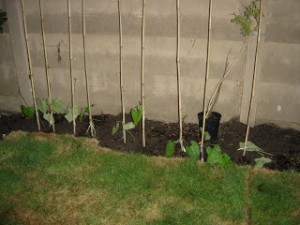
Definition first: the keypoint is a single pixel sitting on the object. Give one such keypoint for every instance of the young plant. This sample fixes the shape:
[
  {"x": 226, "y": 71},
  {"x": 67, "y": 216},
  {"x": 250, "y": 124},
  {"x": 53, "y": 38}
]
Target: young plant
[
  {"x": 193, "y": 150},
  {"x": 72, "y": 113},
  {"x": 136, "y": 115},
  {"x": 28, "y": 111},
  {"x": 215, "y": 156},
  {"x": 249, "y": 19},
  {"x": 251, "y": 147},
  {"x": 45, "y": 105}
]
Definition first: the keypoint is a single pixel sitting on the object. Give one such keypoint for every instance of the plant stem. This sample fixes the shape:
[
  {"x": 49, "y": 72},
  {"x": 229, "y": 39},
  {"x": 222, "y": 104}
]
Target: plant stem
[
  {"x": 253, "y": 80},
  {"x": 179, "y": 74},
  {"x": 46, "y": 67},
  {"x": 206, "y": 80},
  {"x": 214, "y": 97},
  {"x": 143, "y": 74},
  {"x": 85, "y": 70},
  {"x": 70, "y": 63},
  {"x": 121, "y": 69},
  {"x": 31, "y": 77}
]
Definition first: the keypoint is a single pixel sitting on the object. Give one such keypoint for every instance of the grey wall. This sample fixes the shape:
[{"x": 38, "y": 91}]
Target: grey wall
[{"x": 278, "y": 90}]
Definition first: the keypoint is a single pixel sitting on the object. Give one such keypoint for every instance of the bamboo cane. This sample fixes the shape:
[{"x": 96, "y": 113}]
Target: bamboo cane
[
  {"x": 253, "y": 80},
  {"x": 91, "y": 126},
  {"x": 179, "y": 74},
  {"x": 143, "y": 74},
  {"x": 121, "y": 68},
  {"x": 206, "y": 80},
  {"x": 71, "y": 71},
  {"x": 46, "y": 67},
  {"x": 31, "y": 77}
]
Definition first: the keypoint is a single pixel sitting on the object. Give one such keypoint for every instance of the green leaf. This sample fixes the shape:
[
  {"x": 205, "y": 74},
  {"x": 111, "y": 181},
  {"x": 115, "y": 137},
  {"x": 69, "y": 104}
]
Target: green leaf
[
  {"x": 170, "y": 148},
  {"x": 193, "y": 150},
  {"x": 57, "y": 105},
  {"x": 84, "y": 110},
  {"x": 42, "y": 105},
  {"x": 48, "y": 117},
  {"x": 128, "y": 126},
  {"x": 260, "y": 162},
  {"x": 115, "y": 128},
  {"x": 136, "y": 114},
  {"x": 69, "y": 114},
  {"x": 251, "y": 147},
  {"x": 207, "y": 136},
  {"x": 217, "y": 157},
  {"x": 28, "y": 111}
]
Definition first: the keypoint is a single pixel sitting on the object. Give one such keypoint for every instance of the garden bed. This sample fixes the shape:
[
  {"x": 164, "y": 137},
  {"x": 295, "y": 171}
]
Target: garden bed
[{"x": 283, "y": 144}]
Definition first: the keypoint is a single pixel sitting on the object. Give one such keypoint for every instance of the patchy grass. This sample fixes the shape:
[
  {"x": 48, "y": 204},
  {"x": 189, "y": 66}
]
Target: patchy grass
[{"x": 50, "y": 179}]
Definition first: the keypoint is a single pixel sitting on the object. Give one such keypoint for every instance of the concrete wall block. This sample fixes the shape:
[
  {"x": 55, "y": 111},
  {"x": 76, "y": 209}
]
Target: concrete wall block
[
  {"x": 279, "y": 102},
  {"x": 281, "y": 63}
]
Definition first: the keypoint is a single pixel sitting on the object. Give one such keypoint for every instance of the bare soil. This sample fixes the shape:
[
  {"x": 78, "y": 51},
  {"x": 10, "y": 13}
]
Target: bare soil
[{"x": 283, "y": 144}]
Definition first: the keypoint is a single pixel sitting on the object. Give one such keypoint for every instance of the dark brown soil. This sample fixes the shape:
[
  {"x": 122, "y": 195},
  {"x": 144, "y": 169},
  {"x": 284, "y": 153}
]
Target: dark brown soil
[{"x": 283, "y": 144}]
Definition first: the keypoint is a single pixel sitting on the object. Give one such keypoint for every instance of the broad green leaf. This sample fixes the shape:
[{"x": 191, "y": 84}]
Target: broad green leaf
[
  {"x": 115, "y": 128},
  {"x": 170, "y": 148},
  {"x": 128, "y": 126},
  {"x": 136, "y": 114},
  {"x": 193, "y": 150},
  {"x": 217, "y": 157},
  {"x": 251, "y": 147},
  {"x": 69, "y": 114},
  {"x": 260, "y": 162},
  {"x": 48, "y": 117},
  {"x": 28, "y": 111},
  {"x": 42, "y": 105},
  {"x": 57, "y": 105}
]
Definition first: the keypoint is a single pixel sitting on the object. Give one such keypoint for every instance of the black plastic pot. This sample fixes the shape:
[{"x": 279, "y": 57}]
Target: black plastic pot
[{"x": 212, "y": 123}]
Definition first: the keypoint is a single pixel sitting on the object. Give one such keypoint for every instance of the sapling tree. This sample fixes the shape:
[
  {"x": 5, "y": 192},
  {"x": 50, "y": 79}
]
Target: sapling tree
[
  {"x": 249, "y": 20},
  {"x": 121, "y": 68},
  {"x": 46, "y": 67},
  {"x": 91, "y": 123},
  {"x": 28, "y": 110}
]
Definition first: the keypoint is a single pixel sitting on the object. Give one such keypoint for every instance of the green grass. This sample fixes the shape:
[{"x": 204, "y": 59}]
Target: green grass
[{"x": 49, "y": 179}]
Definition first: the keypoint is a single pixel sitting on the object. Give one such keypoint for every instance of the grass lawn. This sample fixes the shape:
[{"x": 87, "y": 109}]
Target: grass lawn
[{"x": 51, "y": 179}]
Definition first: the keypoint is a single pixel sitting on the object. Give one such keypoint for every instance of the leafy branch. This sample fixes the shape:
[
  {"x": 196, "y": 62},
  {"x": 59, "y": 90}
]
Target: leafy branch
[{"x": 248, "y": 20}]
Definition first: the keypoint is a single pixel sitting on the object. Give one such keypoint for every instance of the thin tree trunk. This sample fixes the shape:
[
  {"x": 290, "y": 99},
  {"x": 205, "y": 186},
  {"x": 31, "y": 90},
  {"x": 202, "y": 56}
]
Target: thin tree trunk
[
  {"x": 31, "y": 77},
  {"x": 121, "y": 68},
  {"x": 143, "y": 75},
  {"x": 70, "y": 63},
  {"x": 179, "y": 74},
  {"x": 47, "y": 67},
  {"x": 206, "y": 81},
  {"x": 91, "y": 126},
  {"x": 253, "y": 80}
]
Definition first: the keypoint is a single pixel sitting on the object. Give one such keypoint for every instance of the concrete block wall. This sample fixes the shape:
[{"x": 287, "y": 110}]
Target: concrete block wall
[{"x": 275, "y": 71}]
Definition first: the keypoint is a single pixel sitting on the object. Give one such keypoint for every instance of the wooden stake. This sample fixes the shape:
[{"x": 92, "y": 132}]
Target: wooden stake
[
  {"x": 253, "y": 80},
  {"x": 206, "y": 80},
  {"x": 31, "y": 77},
  {"x": 121, "y": 68},
  {"x": 70, "y": 63},
  {"x": 46, "y": 66},
  {"x": 143, "y": 74},
  {"x": 179, "y": 75},
  {"x": 91, "y": 126}
]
